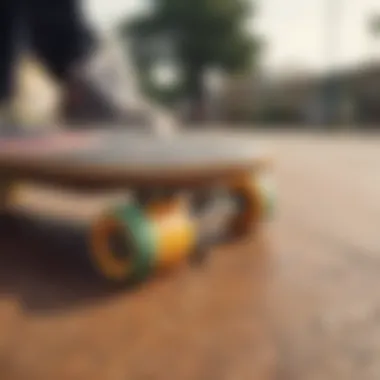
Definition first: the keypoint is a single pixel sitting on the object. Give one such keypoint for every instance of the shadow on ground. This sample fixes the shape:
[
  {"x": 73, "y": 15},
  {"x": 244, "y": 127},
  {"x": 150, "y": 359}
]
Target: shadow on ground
[{"x": 45, "y": 267}]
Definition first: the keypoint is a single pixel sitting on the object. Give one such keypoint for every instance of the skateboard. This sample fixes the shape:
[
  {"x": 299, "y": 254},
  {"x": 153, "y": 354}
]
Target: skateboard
[{"x": 188, "y": 192}]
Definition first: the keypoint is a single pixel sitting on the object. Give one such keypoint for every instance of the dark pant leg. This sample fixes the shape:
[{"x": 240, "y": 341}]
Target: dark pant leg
[
  {"x": 58, "y": 33},
  {"x": 9, "y": 31}
]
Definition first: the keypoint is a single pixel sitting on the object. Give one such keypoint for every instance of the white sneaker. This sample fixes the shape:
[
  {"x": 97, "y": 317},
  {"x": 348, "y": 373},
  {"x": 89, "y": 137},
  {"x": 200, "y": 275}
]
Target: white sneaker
[{"x": 103, "y": 90}]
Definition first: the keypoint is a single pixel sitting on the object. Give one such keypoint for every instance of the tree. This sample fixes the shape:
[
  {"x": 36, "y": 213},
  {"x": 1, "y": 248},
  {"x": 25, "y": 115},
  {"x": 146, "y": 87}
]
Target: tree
[
  {"x": 199, "y": 35},
  {"x": 374, "y": 26}
]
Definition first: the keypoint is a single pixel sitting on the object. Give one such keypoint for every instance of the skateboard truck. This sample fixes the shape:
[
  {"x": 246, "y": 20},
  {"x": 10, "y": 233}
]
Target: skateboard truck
[
  {"x": 163, "y": 228},
  {"x": 213, "y": 218}
]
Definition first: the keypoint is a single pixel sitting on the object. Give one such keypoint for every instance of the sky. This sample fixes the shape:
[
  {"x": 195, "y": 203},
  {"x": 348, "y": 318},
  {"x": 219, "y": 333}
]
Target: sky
[{"x": 296, "y": 31}]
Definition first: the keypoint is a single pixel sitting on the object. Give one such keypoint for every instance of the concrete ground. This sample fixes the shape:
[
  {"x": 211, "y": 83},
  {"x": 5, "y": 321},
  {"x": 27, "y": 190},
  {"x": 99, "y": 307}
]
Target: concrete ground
[{"x": 300, "y": 301}]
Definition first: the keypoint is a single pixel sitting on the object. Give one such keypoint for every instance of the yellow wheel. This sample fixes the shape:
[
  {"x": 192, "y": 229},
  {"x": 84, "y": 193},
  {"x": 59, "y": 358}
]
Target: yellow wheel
[
  {"x": 175, "y": 231},
  {"x": 131, "y": 242}
]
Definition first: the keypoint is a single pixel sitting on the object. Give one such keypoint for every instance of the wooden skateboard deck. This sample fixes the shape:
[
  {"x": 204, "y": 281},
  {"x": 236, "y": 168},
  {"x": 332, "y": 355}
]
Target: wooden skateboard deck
[{"x": 122, "y": 158}]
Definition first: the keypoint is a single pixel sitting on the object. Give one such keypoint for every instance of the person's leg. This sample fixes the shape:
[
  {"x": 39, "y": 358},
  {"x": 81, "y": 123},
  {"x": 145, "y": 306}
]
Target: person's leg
[
  {"x": 93, "y": 71},
  {"x": 9, "y": 22},
  {"x": 58, "y": 34},
  {"x": 70, "y": 50}
]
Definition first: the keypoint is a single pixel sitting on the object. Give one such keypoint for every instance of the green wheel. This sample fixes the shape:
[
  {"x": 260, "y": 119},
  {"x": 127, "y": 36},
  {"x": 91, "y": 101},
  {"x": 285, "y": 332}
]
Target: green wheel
[{"x": 124, "y": 245}]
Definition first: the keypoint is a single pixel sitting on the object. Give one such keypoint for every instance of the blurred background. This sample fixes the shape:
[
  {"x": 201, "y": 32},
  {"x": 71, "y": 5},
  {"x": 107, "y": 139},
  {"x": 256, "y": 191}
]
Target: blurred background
[{"x": 271, "y": 62}]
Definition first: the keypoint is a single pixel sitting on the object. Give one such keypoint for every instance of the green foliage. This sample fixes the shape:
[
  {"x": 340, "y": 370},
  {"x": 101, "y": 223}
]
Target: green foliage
[
  {"x": 200, "y": 34},
  {"x": 374, "y": 25}
]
